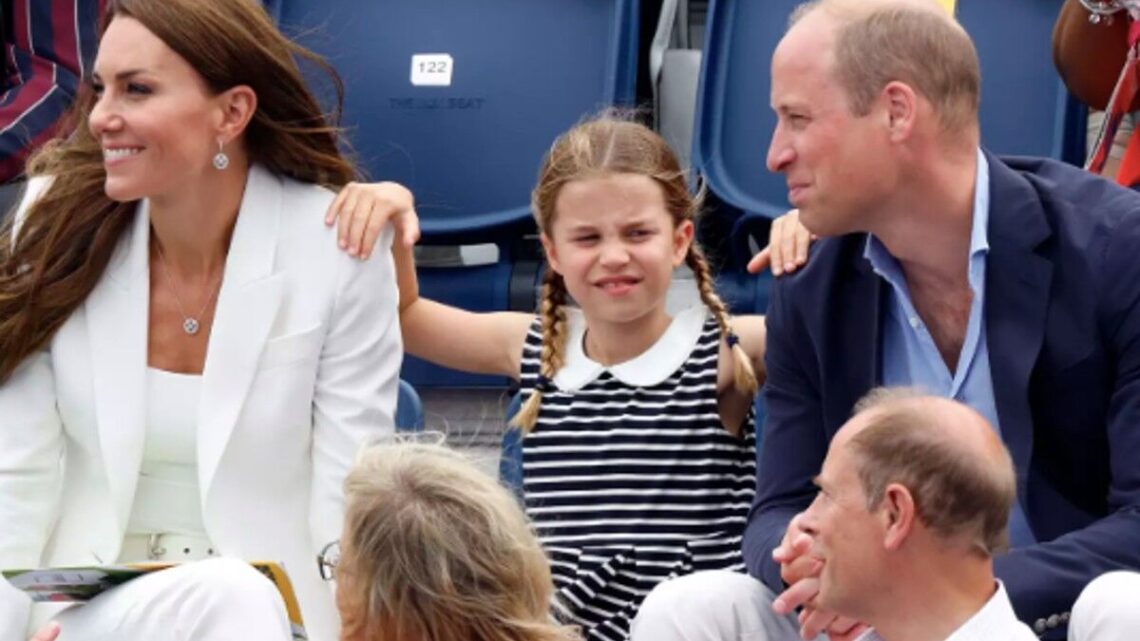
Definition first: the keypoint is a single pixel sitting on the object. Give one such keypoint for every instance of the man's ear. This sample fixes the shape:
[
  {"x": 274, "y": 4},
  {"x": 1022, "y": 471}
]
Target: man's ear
[
  {"x": 551, "y": 253},
  {"x": 898, "y": 514},
  {"x": 236, "y": 108},
  {"x": 901, "y": 104},
  {"x": 682, "y": 241}
]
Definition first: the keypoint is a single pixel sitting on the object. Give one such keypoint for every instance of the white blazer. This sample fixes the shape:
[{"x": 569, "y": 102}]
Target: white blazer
[{"x": 301, "y": 369}]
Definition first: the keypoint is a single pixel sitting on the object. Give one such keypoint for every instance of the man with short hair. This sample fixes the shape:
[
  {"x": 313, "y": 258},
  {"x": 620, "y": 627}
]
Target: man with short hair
[
  {"x": 913, "y": 499},
  {"x": 1012, "y": 285}
]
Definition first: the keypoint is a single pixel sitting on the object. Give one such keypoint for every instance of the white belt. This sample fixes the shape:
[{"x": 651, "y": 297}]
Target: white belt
[{"x": 166, "y": 547}]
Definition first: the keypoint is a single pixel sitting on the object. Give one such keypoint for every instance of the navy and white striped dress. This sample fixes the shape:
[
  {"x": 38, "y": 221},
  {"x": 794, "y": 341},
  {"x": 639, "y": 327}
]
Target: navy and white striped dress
[{"x": 630, "y": 477}]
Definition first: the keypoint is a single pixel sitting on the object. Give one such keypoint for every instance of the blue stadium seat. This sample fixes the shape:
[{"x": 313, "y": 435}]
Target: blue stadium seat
[
  {"x": 509, "y": 76},
  {"x": 521, "y": 72},
  {"x": 409, "y": 409},
  {"x": 1025, "y": 109}
]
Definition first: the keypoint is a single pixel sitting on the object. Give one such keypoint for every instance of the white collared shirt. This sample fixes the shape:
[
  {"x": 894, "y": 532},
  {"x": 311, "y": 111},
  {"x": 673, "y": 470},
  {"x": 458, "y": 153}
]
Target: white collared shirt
[{"x": 996, "y": 621}]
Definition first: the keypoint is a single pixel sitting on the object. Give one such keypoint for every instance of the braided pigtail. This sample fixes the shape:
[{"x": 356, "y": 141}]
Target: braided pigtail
[
  {"x": 743, "y": 375},
  {"x": 554, "y": 324}
]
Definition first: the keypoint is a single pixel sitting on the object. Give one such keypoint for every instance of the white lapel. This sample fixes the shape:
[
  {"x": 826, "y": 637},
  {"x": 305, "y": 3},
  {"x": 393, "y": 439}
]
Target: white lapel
[
  {"x": 117, "y": 321},
  {"x": 247, "y": 307}
]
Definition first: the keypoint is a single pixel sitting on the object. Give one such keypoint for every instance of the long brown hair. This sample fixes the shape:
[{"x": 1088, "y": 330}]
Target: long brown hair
[
  {"x": 612, "y": 144},
  {"x": 67, "y": 237},
  {"x": 435, "y": 549}
]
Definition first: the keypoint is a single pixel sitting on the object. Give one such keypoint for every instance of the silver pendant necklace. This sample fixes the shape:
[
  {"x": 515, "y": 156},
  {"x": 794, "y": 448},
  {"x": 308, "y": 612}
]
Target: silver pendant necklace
[{"x": 190, "y": 324}]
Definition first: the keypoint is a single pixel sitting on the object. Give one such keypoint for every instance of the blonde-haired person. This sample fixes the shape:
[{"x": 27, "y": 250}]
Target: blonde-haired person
[
  {"x": 433, "y": 549},
  {"x": 639, "y": 454},
  {"x": 187, "y": 361}
]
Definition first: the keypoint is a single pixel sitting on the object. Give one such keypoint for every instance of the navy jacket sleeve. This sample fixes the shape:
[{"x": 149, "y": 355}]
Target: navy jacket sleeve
[{"x": 794, "y": 442}]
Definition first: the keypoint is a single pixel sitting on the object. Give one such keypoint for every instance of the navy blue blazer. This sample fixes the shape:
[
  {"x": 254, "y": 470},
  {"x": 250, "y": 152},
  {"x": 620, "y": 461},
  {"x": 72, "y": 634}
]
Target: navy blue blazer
[{"x": 1062, "y": 318}]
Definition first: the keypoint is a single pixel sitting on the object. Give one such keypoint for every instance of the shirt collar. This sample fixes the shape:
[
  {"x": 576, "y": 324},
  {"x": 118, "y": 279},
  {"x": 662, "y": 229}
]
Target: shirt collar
[
  {"x": 993, "y": 621},
  {"x": 979, "y": 238},
  {"x": 885, "y": 264},
  {"x": 651, "y": 367}
]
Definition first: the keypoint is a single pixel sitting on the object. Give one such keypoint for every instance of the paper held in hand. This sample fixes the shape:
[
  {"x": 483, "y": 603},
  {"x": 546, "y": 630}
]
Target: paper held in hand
[{"x": 61, "y": 585}]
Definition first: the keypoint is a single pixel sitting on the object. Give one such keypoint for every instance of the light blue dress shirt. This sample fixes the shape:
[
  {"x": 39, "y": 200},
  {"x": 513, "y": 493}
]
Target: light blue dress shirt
[{"x": 909, "y": 355}]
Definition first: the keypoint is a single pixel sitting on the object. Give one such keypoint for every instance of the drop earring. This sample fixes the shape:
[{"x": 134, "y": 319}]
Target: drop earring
[{"x": 221, "y": 160}]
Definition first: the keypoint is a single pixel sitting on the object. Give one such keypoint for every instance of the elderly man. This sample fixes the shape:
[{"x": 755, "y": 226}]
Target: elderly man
[
  {"x": 912, "y": 504},
  {"x": 1010, "y": 285},
  {"x": 913, "y": 500}
]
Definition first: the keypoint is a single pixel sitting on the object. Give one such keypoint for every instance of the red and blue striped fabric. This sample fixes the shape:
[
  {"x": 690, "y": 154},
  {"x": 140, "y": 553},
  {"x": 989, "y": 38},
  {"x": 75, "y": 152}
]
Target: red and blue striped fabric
[{"x": 52, "y": 47}]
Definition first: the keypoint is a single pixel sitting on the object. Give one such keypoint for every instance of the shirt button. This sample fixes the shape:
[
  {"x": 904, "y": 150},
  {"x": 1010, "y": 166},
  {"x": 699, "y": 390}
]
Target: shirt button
[
  {"x": 915, "y": 323},
  {"x": 1053, "y": 620}
]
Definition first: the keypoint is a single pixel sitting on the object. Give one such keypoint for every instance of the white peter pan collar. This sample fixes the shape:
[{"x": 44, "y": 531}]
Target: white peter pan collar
[{"x": 651, "y": 367}]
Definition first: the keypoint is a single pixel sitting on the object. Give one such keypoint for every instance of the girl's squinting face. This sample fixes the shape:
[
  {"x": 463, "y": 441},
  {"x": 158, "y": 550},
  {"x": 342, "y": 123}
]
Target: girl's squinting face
[
  {"x": 155, "y": 118},
  {"x": 614, "y": 243}
]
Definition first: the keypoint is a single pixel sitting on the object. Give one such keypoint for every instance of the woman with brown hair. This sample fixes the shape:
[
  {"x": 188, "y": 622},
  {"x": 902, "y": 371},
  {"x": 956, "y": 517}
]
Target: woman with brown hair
[
  {"x": 433, "y": 549},
  {"x": 187, "y": 361}
]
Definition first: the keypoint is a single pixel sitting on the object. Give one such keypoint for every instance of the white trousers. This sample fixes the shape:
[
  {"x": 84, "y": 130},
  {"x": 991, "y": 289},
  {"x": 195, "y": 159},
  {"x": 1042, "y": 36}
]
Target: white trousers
[
  {"x": 715, "y": 605},
  {"x": 1108, "y": 609},
  {"x": 727, "y": 606},
  {"x": 211, "y": 600}
]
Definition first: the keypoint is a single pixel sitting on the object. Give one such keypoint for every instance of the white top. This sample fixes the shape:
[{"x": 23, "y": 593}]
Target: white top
[
  {"x": 303, "y": 369},
  {"x": 167, "y": 498},
  {"x": 994, "y": 622}
]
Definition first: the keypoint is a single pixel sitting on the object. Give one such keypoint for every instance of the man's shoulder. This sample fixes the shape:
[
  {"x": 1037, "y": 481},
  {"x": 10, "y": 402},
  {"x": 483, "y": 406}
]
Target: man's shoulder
[
  {"x": 1065, "y": 190},
  {"x": 820, "y": 296},
  {"x": 1057, "y": 174},
  {"x": 1088, "y": 220}
]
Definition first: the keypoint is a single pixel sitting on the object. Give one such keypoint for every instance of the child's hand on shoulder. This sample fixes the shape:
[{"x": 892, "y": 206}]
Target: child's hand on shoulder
[{"x": 361, "y": 210}]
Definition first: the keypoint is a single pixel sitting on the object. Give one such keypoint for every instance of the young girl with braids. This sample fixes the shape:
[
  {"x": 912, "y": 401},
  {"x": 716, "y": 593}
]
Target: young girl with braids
[{"x": 638, "y": 459}]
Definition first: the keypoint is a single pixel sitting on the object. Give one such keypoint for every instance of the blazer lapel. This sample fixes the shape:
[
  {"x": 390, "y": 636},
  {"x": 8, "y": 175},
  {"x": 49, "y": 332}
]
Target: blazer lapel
[
  {"x": 856, "y": 334},
  {"x": 247, "y": 307},
  {"x": 1015, "y": 319},
  {"x": 117, "y": 323}
]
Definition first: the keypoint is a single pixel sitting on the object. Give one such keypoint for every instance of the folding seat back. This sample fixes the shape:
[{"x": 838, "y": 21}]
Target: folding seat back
[
  {"x": 1025, "y": 108},
  {"x": 409, "y": 409},
  {"x": 459, "y": 101}
]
